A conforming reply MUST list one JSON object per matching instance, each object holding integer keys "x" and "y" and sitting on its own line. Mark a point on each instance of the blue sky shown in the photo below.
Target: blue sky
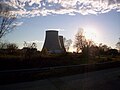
{"x": 105, "y": 22}
{"x": 33, "y": 29}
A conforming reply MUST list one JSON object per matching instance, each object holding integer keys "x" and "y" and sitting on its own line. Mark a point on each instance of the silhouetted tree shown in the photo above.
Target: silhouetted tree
{"x": 8, "y": 48}
{"x": 103, "y": 49}
{"x": 7, "y": 45}
{"x": 80, "y": 40}
{"x": 6, "y": 19}
{"x": 34, "y": 45}
{"x": 29, "y": 49}
{"x": 44, "y": 52}
{"x": 118, "y": 45}
{"x": 30, "y": 45}
{"x": 67, "y": 44}
{"x": 3, "y": 45}
{"x": 86, "y": 46}
{"x": 12, "y": 46}
{"x": 112, "y": 52}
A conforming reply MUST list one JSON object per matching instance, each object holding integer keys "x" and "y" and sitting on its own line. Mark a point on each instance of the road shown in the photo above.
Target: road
{"x": 108, "y": 79}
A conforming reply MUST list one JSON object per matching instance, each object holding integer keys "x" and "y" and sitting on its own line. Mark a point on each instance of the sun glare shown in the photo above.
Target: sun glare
{"x": 71, "y": 49}
{"x": 91, "y": 34}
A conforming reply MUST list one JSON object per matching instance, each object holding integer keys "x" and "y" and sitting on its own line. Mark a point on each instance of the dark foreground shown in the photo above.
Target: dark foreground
{"x": 98, "y": 80}
{"x": 25, "y": 75}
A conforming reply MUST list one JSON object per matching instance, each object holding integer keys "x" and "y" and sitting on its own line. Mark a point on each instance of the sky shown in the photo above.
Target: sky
{"x": 100, "y": 20}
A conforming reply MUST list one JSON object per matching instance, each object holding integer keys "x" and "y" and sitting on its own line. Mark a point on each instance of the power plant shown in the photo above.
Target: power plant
{"x": 62, "y": 43}
{"x": 53, "y": 43}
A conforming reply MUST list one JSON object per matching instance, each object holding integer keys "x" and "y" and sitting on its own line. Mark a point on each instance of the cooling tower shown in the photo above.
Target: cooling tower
{"x": 62, "y": 43}
{"x": 52, "y": 42}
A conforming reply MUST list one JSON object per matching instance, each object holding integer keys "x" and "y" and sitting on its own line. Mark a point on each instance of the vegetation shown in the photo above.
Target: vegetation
{"x": 67, "y": 44}
{"x": 11, "y": 57}
{"x": 6, "y": 19}
{"x": 14, "y": 58}
{"x": 80, "y": 40}
{"x": 89, "y": 59}
{"x": 118, "y": 45}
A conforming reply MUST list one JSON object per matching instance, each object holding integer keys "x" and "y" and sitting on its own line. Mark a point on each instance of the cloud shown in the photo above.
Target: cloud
{"x": 17, "y": 23}
{"x": 32, "y": 8}
{"x": 34, "y": 41}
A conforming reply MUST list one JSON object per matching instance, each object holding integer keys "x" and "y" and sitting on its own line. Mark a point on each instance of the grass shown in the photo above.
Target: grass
{"x": 51, "y": 60}
{"x": 10, "y": 62}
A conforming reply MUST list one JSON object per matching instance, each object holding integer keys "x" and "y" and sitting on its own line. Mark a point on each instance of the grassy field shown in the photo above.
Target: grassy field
{"x": 8, "y": 62}
{"x": 56, "y": 65}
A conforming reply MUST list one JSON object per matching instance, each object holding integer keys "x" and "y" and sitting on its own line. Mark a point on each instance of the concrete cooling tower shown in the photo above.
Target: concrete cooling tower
{"x": 52, "y": 42}
{"x": 62, "y": 43}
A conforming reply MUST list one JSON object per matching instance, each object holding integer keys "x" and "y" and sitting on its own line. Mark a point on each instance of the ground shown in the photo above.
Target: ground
{"x": 107, "y": 79}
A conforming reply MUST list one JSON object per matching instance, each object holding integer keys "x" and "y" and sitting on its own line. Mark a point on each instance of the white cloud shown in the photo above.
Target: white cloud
{"x": 34, "y": 41}
{"x": 17, "y": 23}
{"x": 31, "y": 8}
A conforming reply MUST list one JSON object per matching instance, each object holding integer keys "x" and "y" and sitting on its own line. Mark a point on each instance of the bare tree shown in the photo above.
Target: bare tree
{"x": 67, "y": 44}
{"x": 30, "y": 45}
{"x": 80, "y": 40}
{"x": 3, "y": 45}
{"x": 7, "y": 45}
{"x": 6, "y": 19}
{"x": 34, "y": 45}
{"x": 29, "y": 49}
{"x": 118, "y": 45}
{"x": 12, "y": 46}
